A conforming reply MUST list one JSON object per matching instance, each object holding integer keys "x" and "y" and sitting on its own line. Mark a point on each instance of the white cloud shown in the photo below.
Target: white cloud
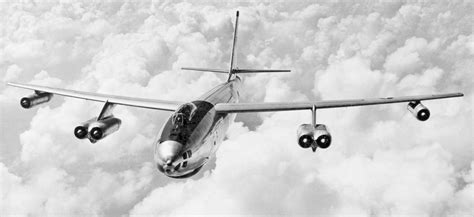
{"x": 343, "y": 80}
{"x": 24, "y": 51}
{"x": 382, "y": 161}
{"x": 13, "y": 72}
{"x": 407, "y": 58}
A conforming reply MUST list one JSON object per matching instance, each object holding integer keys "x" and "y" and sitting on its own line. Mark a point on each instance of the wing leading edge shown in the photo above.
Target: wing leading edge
{"x": 113, "y": 99}
{"x": 325, "y": 104}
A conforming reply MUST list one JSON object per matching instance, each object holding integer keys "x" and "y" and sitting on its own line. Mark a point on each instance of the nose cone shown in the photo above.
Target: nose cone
{"x": 166, "y": 153}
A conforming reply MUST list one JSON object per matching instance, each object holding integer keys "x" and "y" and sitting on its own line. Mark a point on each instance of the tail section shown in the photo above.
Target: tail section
{"x": 234, "y": 70}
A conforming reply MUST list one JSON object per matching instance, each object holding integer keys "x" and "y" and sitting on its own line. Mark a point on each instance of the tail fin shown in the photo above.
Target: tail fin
{"x": 234, "y": 41}
{"x": 234, "y": 70}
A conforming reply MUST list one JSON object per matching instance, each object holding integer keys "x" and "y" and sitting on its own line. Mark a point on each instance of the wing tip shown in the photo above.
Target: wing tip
{"x": 14, "y": 84}
{"x": 458, "y": 94}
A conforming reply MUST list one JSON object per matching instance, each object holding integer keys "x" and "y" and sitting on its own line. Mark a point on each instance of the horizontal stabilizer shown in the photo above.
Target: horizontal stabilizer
{"x": 237, "y": 71}
{"x": 206, "y": 70}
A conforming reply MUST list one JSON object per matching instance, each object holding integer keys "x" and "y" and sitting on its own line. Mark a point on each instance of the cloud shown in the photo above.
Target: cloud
{"x": 340, "y": 79}
{"x": 53, "y": 190}
{"x": 12, "y": 73}
{"x": 407, "y": 58}
{"x": 382, "y": 161}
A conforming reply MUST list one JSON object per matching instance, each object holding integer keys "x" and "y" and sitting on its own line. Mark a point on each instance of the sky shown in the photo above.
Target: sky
{"x": 382, "y": 162}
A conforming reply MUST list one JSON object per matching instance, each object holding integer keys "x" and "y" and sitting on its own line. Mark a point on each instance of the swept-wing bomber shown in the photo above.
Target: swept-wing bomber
{"x": 195, "y": 129}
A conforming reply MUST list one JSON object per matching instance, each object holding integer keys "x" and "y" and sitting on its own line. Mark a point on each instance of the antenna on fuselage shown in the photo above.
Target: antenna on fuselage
{"x": 234, "y": 41}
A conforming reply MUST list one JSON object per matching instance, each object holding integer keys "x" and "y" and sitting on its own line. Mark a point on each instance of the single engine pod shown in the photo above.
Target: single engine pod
{"x": 35, "y": 99}
{"x": 80, "y": 132}
{"x": 102, "y": 128}
{"x": 322, "y": 135}
{"x": 419, "y": 110}
{"x": 97, "y": 133}
{"x": 305, "y": 135}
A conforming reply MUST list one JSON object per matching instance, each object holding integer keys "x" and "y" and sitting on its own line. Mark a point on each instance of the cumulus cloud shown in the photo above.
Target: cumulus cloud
{"x": 382, "y": 162}
{"x": 12, "y": 73}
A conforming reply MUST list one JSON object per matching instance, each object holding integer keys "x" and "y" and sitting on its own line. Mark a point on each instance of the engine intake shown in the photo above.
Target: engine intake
{"x": 305, "y": 134}
{"x": 322, "y": 135}
{"x": 102, "y": 128}
{"x": 313, "y": 136}
{"x": 419, "y": 110}
{"x": 35, "y": 99}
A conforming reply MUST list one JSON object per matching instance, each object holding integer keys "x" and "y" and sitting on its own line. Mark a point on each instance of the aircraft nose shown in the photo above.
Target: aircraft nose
{"x": 166, "y": 154}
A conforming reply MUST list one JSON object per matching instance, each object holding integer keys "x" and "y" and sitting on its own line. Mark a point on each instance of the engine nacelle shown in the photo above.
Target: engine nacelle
{"x": 101, "y": 129}
{"x": 82, "y": 130}
{"x": 313, "y": 136}
{"x": 322, "y": 135}
{"x": 419, "y": 110}
{"x": 305, "y": 135}
{"x": 35, "y": 99}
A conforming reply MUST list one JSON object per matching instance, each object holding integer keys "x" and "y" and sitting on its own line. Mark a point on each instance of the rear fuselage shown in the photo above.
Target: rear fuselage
{"x": 194, "y": 131}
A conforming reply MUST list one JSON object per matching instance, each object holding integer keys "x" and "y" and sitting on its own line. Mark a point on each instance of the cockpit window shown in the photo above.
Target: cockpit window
{"x": 179, "y": 119}
{"x": 184, "y": 114}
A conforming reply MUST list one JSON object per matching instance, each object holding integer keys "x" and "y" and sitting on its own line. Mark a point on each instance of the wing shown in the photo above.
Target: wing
{"x": 288, "y": 106}
{"x": 112, "y": 99}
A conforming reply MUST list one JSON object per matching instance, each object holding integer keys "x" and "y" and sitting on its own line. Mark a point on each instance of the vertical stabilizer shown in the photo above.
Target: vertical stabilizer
{"x": 234, "y": 41}
{"x": 234, "y": 70}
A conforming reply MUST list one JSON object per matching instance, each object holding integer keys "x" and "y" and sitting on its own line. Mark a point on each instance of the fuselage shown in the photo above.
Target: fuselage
{"x": 194, "y": 132}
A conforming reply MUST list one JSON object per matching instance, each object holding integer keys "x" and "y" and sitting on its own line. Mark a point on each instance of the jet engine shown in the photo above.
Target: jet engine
{"x": 305, "y": 134}
{"x": 313, "y": 136}
{"x": 81, "y": 131}
{"x": 419, "y": 110}
{"x": 322, "y": 135}
{"x": 35, "y": 99}
{"x": 102, "y": 128}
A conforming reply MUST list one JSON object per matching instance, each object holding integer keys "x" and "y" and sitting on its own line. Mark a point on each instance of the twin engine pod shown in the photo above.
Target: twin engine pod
{"x": 313, "y": 136}
{"x": 419, "y": 110}
{"x": 35, "y": 99}
{"x": 96, "y": 130}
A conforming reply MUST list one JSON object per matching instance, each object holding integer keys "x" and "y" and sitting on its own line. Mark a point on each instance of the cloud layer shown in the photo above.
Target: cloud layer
{"x": 382, "y": 161}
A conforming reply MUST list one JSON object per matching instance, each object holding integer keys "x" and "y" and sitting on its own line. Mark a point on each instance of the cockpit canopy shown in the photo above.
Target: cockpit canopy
{"x": 182, "y": 124}
{"x": 184, "y": 114}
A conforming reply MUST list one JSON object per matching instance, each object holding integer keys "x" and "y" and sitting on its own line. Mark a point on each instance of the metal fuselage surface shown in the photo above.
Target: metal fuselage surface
{"x": 194, "y": 131}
